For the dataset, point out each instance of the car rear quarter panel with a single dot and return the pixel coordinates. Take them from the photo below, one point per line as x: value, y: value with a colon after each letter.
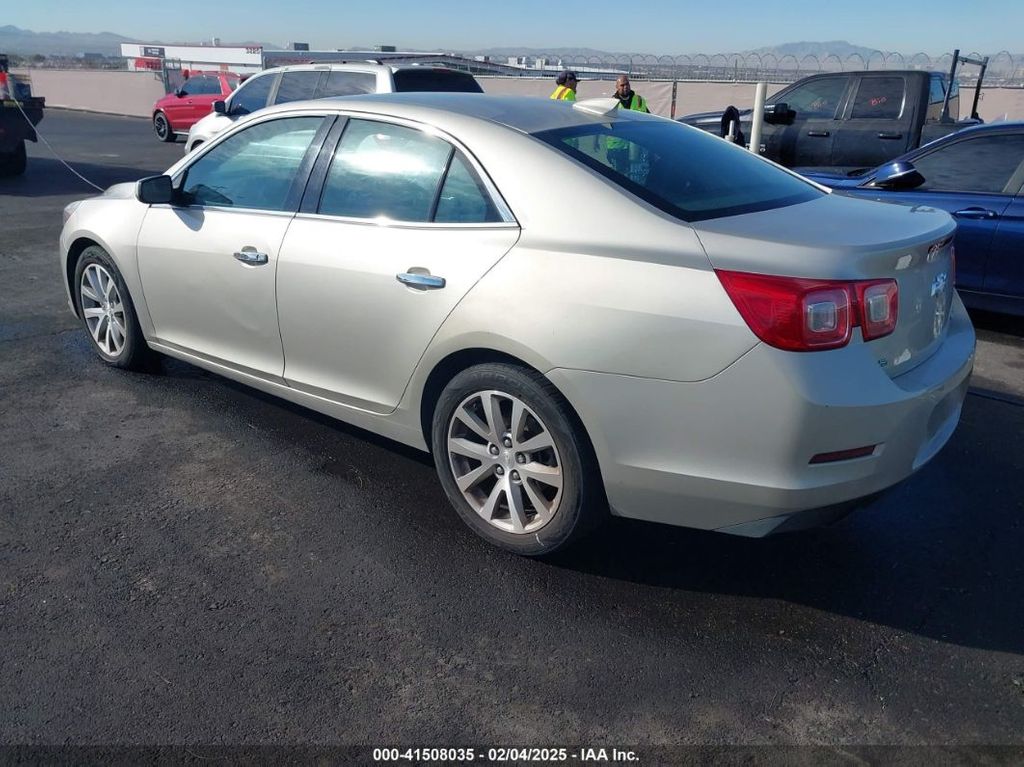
x: 598, y: 281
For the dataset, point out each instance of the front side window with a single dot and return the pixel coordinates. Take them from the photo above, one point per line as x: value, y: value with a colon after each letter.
x: 879, y: 98
x: 254, y: 168
x: 297, y: 86
x: 983, y: 164
x: 818, y: 98
x: 252, y: 95
x: 339, y: 83
x: 201, y: 85
x: 683, y: 171
x: 388, y: 171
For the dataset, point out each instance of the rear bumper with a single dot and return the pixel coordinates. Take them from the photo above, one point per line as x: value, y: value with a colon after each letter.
x: 732, y: 453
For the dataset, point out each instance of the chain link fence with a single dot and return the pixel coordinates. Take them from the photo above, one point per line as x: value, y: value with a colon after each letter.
x: 1004, y: 69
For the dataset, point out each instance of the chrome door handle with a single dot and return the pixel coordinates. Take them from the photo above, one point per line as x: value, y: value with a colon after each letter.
x: 251, y: 256
x: 819, y: 133
x: 420, y: 281
x: 978, y: 213
x: 890, y: 135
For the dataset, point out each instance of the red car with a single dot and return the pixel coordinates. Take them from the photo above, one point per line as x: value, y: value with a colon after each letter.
x: 176, y: 112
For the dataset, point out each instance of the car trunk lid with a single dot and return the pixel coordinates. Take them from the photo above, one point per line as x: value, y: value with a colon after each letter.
x: 841, y: 238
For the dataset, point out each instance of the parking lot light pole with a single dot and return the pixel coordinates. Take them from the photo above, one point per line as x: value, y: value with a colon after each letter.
x: 758, y: 117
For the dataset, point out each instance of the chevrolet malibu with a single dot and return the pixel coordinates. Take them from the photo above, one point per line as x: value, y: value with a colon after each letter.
x: 575, y: 309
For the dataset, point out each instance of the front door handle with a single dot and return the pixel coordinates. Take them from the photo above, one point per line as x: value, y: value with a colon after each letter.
x: 975, y: 213
x: 819, y: 133
x: 250, y: 256
x: 420, y: 281
x: 890, y: 135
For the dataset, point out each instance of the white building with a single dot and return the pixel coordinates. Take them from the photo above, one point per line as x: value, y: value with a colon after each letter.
x: 142, y: 56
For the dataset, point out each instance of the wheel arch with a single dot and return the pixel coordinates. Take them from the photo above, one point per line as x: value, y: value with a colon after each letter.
x: 454, y: 363
x: 71, y: 262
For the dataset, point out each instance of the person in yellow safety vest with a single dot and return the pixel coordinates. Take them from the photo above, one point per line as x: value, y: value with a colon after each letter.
x: 619, y: 149
x: 566, y: 90
x: 628, y: 99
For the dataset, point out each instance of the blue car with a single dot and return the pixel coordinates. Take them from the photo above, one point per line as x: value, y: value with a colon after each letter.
x: 977, y: 175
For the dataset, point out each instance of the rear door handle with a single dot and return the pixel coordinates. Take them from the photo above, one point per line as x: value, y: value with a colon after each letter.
x: 890, y: 135
x: 819, y: 133
x: 975, y: 213
x: 421, y: 281
x: 250, y: 256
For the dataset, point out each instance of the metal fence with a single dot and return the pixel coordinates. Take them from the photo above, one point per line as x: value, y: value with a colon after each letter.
x: 1004, y: 69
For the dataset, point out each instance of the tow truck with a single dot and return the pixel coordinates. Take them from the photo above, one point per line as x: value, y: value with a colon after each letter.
x: 20, y: 112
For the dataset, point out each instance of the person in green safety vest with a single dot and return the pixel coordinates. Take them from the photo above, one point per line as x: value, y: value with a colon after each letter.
x: 566, y: 90
x: 628, y: 99
x: 618, y: 149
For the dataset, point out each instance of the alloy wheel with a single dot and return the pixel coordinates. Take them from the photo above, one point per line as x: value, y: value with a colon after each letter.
x: 505, y: 462
x: 103, y: 310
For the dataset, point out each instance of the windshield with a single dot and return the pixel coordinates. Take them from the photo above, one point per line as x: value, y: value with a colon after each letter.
x: 683, y: 171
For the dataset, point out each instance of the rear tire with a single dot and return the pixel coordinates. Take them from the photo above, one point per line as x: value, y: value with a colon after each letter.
x: 162, y: 128
x: 513, y: 460
x: 107, y: 312
x: 13, y: 163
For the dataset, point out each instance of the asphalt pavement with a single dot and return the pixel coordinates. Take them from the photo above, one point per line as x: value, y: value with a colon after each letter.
x: 187, y: 561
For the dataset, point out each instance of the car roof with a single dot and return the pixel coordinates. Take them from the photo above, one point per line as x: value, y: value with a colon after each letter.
x: 367, y: 65
x: 525, y: 114
x: 1010, y: 126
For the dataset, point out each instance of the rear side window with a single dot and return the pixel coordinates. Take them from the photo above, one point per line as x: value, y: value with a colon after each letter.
x: 464, y: 200
x: 347, y: 84
x: 683, y: 171
x: 254, y: 168
x: 252, y: 95
x: 427, y: 79
x: 982, y: 164
x: 385, y: 171
x: 297, y: 86
x: 879, y: 98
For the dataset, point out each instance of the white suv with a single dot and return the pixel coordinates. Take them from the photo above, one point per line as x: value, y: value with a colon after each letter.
x: 316, y: 81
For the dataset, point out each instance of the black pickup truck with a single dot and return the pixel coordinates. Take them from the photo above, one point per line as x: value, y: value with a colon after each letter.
x: 848, y: 120
x: 20, y: 112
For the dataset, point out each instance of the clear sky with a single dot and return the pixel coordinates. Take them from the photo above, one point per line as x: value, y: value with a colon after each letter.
x: 655, y: 26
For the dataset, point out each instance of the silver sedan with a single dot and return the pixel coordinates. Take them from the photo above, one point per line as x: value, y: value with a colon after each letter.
x: 578, y: 310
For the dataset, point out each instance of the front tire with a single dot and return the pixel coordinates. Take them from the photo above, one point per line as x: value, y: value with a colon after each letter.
x: 162, y: 128
x: 107, y: 312
x: 513, y: 461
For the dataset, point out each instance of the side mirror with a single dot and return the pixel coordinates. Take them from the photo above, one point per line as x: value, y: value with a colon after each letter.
x: 897, y: 175
x: 179, y: 92
x: 220, y: 107
x: 778, y: 114
x: 155, y: 190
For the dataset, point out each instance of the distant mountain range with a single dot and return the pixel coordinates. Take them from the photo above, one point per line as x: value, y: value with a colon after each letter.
x: 24, y: 42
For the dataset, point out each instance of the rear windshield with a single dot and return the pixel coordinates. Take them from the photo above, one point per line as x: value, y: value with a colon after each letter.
x: 408, y: 80
x: 681, y: 170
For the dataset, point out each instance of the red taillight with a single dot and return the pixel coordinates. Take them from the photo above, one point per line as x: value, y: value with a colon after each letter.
x: 804, y: 315
x: 879, y: 306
